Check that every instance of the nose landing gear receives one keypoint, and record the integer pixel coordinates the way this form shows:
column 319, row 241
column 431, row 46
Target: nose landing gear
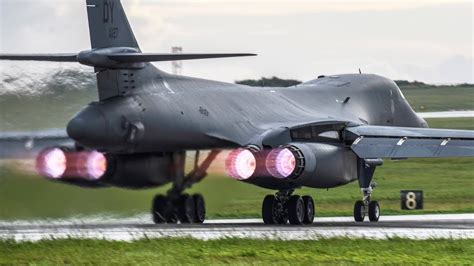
column 366, row 207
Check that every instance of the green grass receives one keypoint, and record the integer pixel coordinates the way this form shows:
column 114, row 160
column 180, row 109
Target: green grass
column 453, row 123
column 235, row 251
column 439, row 98
column 448, row 186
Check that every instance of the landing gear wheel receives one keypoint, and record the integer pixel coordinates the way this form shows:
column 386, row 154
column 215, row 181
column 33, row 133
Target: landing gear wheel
column 186, row 209
column 359, row 211
column 199, row 208
column 162, row 210
column 273, row 211
column 308, row 203
column 267, row 209
column 296, row 211
column 374, row 211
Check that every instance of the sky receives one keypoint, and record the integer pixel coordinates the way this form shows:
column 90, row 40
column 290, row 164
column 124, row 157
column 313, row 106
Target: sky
column 429, row 41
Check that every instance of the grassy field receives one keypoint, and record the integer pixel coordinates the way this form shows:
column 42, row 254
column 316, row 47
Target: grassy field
column 439, row 98
column 234, row 251
column 447, row 183
column 453, row 123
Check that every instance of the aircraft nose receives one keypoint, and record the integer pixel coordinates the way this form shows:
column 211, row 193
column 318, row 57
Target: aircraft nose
column 88, row 127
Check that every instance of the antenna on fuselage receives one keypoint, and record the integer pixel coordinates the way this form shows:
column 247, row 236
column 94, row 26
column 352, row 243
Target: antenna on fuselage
column 360, row 71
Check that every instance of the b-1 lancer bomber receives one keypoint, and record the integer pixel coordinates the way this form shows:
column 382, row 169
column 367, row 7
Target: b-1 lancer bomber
column 323, row 133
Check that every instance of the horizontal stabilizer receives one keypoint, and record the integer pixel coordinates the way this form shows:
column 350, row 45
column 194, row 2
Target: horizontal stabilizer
column 142, row 58
column 40, row 57
column 26, row 145
column 398, row 142
column 114, row 58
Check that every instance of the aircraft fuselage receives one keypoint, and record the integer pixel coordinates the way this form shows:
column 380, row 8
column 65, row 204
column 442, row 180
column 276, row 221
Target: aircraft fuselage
column 168, row 112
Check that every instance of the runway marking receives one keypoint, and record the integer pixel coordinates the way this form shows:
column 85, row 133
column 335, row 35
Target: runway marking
column 447, row 114
column 450, row 226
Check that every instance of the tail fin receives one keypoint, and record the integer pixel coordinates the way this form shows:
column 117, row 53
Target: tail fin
column 108, row 25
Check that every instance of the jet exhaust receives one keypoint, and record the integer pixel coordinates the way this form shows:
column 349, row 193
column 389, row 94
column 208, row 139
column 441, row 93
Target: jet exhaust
column 281, row 163
column 57, row 163
column 240, row 164
column 51, row 163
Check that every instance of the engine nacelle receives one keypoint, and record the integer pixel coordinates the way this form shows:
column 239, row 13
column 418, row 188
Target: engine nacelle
column 138, row 170
column 94, row 169
column 316, row 165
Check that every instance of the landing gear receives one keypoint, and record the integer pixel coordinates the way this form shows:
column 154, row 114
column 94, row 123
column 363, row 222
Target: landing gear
column 284, row 207
column 374, row 211
column 296, row 210
column 359, row 211
column 176, row 205
column 366, row 207
column 186, row 209
column 163, row 210
column 308, row 209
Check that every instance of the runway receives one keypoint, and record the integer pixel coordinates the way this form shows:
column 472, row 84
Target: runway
column 447, row 114
column 455, row 226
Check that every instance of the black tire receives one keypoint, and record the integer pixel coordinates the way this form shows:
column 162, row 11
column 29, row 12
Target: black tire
column 374, row 211
column 186, row 209
column 359, row 211
column 280, row 212
column 199, row 208
column 296, row 210
column 267, row 209
column 162, row 210
column 308, row 210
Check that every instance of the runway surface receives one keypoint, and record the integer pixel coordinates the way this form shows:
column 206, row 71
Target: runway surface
column 447, row 114
column 455, row 226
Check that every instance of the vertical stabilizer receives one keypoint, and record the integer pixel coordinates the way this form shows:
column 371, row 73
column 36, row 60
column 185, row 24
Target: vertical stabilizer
column 108, row 25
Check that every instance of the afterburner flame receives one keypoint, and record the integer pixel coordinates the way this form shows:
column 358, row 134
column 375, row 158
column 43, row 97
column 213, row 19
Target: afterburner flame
column 281, row 163
column 90, row 165
column 51, row 163
column 56, row 163
column 240, row 164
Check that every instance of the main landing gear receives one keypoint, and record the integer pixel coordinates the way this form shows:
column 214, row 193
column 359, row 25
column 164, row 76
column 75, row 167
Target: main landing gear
column 176, row 205
column 283, row 207
column 366, row 207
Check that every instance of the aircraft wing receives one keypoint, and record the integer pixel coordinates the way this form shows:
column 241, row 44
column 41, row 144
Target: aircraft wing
column 25, row 145
column 400, row 142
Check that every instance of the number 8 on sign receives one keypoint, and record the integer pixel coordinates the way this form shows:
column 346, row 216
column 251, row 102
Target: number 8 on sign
column 411, row 199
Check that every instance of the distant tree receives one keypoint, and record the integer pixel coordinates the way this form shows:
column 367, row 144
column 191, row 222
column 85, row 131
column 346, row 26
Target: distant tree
column 269, row 82
column 410, row 83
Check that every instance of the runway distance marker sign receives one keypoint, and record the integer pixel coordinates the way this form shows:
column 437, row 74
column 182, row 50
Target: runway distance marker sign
column 411, row 199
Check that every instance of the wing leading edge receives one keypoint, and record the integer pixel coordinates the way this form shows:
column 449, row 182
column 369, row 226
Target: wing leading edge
column 398, row 142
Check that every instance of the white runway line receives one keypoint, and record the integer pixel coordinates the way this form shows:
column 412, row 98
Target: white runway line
column 421, row 217
column 439, row 226
column 447, row 114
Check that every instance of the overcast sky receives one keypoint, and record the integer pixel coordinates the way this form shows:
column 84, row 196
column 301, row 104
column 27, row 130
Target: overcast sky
column 431, row 41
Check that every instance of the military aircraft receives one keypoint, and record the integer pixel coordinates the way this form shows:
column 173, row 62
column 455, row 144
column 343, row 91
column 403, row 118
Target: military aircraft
column 324, row 133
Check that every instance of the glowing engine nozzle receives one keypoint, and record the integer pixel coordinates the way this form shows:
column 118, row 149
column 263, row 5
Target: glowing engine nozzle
column 57, row 163
column 240, row 164
column 51, row 163
column 281, row 163
column 90, row 165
